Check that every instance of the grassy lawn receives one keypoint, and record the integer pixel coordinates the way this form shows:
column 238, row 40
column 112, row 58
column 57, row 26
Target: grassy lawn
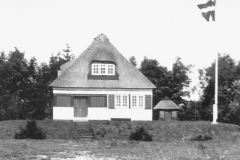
column 171, row 140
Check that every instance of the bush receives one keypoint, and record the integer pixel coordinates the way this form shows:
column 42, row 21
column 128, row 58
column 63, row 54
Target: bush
column 31, row 131
column 102, row 132
column 141, row 134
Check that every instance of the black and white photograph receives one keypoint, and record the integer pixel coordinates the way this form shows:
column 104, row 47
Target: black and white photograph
column 119, row 80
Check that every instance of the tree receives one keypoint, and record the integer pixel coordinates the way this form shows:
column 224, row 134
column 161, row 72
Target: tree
column 132, row 59
column 168, row 83
column 190, row 111
column 228, row 73
column 172, row 84
column 19, row 86
column 15, row 77
column 56, row 61
column 158, row 75
column 180, row 81
column 31, row 131
column 24, row 90
column 36, row 94
column 3, row 92
column 67, row 56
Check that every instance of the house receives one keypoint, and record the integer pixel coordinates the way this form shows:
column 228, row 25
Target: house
column 167, row 109
column 101, row 84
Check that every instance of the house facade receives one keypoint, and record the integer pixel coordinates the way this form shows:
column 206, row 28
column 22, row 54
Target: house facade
column 101, row 84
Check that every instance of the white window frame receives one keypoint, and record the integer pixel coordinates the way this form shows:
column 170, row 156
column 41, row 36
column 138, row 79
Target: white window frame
column 120, row 104
column 138, row 101
column 95, row 66
column 110, row 67
column 103, row 67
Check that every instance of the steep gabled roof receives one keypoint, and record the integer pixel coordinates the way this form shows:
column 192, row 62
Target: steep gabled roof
column 75, row 73
column 166, row 103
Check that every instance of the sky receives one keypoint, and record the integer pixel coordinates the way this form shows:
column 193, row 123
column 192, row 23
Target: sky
column 157, row 29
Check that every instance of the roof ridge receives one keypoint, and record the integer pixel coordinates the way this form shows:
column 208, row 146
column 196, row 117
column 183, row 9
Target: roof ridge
column 101, row 38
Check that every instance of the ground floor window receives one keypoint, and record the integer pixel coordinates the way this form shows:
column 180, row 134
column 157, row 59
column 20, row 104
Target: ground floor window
column 63, row 101
column 98, row 101
column 137, row 101
column 92, row 101
column 161, row 114
column 121, row 101
column 174, row 114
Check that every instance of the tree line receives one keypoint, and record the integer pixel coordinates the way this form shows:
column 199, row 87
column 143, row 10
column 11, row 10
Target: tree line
column 24, row 90
column 175, row 82
column 25, row 94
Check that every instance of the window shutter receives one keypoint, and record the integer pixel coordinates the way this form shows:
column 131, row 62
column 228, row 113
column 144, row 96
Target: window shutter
column 71, row 101
column 148, row 102
column 111, row 101
column 54, row 100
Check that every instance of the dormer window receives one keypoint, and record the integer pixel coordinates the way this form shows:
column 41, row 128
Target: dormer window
column 103, row 69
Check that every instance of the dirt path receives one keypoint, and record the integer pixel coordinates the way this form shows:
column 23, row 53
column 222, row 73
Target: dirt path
column 79, row 155
column 87, row 150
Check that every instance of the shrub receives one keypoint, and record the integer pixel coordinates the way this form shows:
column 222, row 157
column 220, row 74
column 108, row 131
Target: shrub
column 141, row 134
column 31, row 131
column 102, row 132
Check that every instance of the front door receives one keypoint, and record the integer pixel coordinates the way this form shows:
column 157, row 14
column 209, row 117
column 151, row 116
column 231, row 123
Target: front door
column 80, row 107
column 168, row 116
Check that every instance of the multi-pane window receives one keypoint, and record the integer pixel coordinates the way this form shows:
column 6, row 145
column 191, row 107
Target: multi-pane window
column 98, row 101
column 121, row 101
column 140, row 101
column 63, row 101
column 103, row 69
column 134, row 101
column 95, row 69
column 137, row 101
column 125, row 100
column 118, row 100
column 110, row 69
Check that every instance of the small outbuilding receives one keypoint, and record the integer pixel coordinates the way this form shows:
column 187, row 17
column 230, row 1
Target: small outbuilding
column 167, row 109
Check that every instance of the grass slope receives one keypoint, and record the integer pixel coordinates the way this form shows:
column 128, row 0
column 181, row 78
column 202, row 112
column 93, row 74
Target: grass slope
column 167, row 131
column 171, row 141
column 161, row 131
column 54, row 129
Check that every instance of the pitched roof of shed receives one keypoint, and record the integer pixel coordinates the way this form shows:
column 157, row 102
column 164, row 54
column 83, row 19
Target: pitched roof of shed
column 166, row 103
column 75, row 72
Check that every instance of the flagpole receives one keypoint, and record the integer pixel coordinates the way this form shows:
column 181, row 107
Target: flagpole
column 215, row 106
column 210, row 15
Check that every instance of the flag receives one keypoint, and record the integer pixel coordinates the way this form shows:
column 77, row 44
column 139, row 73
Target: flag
column 208, row 10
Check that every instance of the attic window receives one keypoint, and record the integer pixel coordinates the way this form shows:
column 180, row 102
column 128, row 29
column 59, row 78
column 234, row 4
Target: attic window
column 103, row 69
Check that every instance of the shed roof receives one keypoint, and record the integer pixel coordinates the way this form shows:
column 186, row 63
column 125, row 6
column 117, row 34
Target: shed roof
column 75, row 73
column 166, row 103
